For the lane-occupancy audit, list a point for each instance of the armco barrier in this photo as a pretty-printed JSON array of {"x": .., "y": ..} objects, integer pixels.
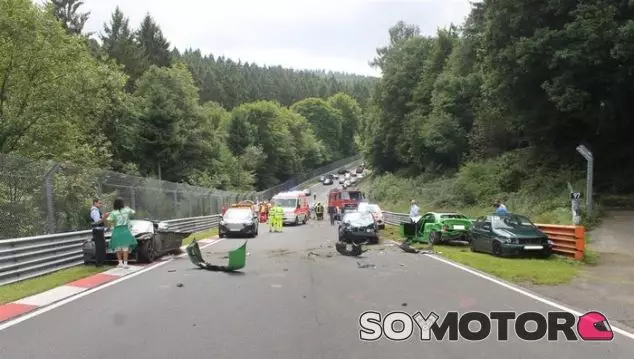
[
  {"x": 567, "y": 241},
  {"x": 29, "y": 257}
]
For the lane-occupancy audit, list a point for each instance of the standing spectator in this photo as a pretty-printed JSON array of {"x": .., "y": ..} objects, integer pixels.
[
  {"x": 98, "y": 228},
  {"x": 122, "y": 240},
  {"x": 413, "y": 209},
  {"x": 500, "y": 208}
]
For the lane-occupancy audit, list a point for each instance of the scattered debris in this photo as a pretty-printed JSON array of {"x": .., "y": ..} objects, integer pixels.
[
  {"x": 402, "y": 265},
  {"x": 180, "y": 285},
  {"x": 285, "y": 269},
  {"x": 366, "y": 265},
  {"x": 236, "y": 258},
  {"x": 354, "y": 251},
  {"x": 403, "y": 304},
  {"x": 408, "y": 249},
  {"x": 172, "y": 270},
  {"x": 311, "y": 253},
  {"x": 279, "y": 252},
  {"x": 329, "y": 255},
  {"x": 304, "y": 296}
]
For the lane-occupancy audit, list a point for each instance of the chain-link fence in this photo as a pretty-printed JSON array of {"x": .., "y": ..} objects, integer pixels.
[{"x": 46, "y": 197}]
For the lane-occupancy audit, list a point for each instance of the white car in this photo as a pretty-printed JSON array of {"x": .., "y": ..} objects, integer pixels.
[
  {"x": 376, "y": 212},
  {"x": 342, "y": 180}
]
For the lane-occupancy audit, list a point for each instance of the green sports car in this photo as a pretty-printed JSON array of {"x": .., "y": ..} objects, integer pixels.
[{"x": 441, "y": 227}]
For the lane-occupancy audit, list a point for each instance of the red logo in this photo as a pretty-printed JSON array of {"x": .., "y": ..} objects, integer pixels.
[{"x": 594, "y": 326}]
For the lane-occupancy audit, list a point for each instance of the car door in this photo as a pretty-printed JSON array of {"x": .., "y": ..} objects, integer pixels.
[
  {"x": 426, "y": 223},
  {"x": 487, "y": 235},
  {"x": 477, "y": 233}
]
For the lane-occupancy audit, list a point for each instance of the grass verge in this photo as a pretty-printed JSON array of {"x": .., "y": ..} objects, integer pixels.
[
  {"x": 15, "y": 291},
  {"x": 200, "y": 235},
  {"x": 556, "y": 270}
]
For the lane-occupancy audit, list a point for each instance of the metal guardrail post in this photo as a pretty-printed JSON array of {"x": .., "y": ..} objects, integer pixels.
[
  {"x": 50, "y": 208},
  {"x": 587, "y": 154}
]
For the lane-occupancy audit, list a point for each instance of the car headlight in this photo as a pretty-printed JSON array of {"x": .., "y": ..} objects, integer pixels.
[
  {"x": 222, "y": 223},
  {"x": 512, "y": 240},
  {"x": 162, "y": 226}
]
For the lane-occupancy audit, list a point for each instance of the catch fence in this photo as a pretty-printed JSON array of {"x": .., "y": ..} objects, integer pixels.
[{"x": 38, "y": 197}]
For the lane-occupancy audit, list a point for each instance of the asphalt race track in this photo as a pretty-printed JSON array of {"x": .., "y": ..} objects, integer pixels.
[{"x": 297, "y": 299}]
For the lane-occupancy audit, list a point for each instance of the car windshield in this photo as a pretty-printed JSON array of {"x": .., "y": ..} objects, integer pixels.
[
  {"x": 286, "y": 202},
  {"x": 353, "y": 217},
  {"x": 453, "y": 215},
  {"x": 370, "y": 208},
  {"x": 511, "y": 222},
  {"x": 237, "y": 214},
  {"x": 353, "y": 195},
  {"x": 374, "y": 208}
]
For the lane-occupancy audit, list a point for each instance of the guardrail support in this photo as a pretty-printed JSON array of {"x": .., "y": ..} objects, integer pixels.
[
  {"x": 587, "y": 154},
  {"x": 50, "y": 208}
]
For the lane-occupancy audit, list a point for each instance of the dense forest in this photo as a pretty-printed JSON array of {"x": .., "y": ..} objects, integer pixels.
[
  {"x": 504, "y": 99},
  {"x": 127, "y": 100}
]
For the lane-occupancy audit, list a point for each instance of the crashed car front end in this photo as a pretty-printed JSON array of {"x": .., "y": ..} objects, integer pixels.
[
  {"x": 234, "y": 228},
  {"x": 359, "y": 232}
]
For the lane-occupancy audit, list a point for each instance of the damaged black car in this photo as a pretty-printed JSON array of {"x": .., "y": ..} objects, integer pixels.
[{"x": 358, "y": 227}]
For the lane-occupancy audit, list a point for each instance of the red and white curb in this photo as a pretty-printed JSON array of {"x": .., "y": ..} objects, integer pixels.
[{"x": 40, "y": 300}]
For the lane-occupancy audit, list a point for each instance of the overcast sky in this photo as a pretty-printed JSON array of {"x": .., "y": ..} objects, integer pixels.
[{"x": 333, "y": 35}]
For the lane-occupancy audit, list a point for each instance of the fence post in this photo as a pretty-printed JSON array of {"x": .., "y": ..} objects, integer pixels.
[
  {"x": 50, "y": 208},
  {"x": 587, "y": 154},
  {"x": 133, "y": 196}
]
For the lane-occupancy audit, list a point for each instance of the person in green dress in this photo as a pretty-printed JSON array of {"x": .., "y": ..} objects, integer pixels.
[{"x": 122, "y": 241}]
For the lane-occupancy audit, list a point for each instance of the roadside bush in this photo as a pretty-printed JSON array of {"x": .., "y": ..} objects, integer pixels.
[{"x": 525, "y": 187}]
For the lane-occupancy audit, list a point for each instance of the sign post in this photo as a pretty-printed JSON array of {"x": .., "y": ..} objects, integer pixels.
[{"x": 585, "y": 152}]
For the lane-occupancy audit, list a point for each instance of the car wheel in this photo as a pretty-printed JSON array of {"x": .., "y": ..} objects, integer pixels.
[
  {"x": 305, "y": 220},
  {"x": 496, "y": 249},
  {"x": 382, "y": 226},
  {"x": 435, "y": 237},
  {"x": 221, "y": 235},
  {"x": 297, "y": 220},
  {"x": 472, "y": 246},
  {"x": 545, "y": 254},
  {"x": 146, "y": 251}
]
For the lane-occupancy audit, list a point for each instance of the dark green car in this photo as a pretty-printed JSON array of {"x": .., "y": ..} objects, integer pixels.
[{"x": 509, "y": 235}]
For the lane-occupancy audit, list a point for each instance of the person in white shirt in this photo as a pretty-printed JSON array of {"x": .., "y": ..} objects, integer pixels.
[{"x": 413, "y": 209}]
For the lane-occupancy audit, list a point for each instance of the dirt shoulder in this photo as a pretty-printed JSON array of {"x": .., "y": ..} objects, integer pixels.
[{"x": 607, "y": 286}]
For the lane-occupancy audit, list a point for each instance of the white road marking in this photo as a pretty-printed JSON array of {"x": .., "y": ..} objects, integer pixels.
[
  {"x": 51, "y": 295},
  {"x": 523, "y": 292},
  {"x": 62, "y": 302}
]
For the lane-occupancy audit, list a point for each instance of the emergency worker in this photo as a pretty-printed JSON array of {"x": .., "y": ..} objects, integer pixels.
[
  {"x": 272, "y": 217},
  {"x": 263, "y": 211},
  {"x": 279, "y": 217},
  {"x": 319, "y": 211}
]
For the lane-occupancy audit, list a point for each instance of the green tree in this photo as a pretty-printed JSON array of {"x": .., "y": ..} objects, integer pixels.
[
  {"x": 67, "y": 13},
  {"x": 326, "y": 121},
  {"x": 155, "y": 48},
  {"x": 118, "y": 43}
]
